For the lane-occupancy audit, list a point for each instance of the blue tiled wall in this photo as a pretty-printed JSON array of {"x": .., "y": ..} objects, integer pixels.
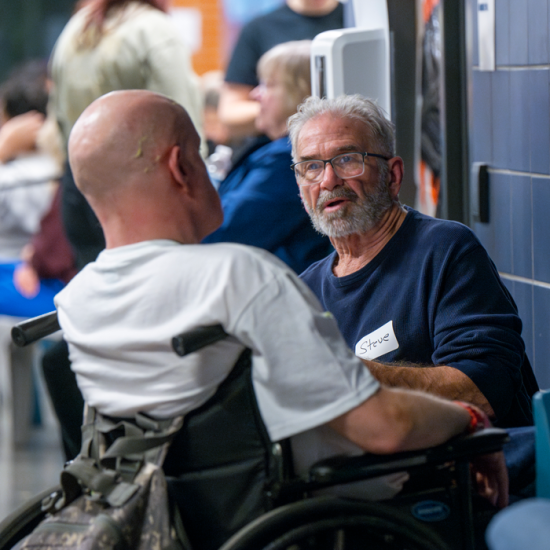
[{"x": 510, "y": 131}]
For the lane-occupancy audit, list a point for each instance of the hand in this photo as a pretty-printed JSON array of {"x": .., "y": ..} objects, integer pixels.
[
  {"x": 491, "y": 478},
  {"x": 18, "y": 134},
  {"x": 26, "y": 280},
  {"x": 27, "y": 252}
]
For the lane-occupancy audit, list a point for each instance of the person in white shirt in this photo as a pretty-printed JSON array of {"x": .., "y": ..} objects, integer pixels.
[{"x": 28, "y": 169}]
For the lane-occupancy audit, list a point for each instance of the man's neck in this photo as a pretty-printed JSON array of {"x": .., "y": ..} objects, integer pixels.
[
  {"x": 316, "y": 8},
  {"x": 357, "y": 250}
]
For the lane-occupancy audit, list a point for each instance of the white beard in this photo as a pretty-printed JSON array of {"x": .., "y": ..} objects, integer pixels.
[{"x": 358, "y": 216}]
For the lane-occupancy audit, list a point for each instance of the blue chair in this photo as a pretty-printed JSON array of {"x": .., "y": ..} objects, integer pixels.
[
  {"x": 541, "y": 411},
  {"x": 526, "y": 524}
]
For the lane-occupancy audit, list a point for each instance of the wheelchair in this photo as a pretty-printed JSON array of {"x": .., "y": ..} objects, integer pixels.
[{"x": 235, "y": 489}]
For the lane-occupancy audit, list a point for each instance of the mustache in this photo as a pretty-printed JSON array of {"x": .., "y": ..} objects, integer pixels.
[{"x": 338, "y": 193}]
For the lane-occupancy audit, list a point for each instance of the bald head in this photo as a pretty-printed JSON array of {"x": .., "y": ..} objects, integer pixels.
[
  {"x": 121, "y": 139},
  {"x": 135, "y": 156}
]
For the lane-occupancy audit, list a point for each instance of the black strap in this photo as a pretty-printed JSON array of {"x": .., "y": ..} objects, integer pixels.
[{"x": 109, "y": 469}]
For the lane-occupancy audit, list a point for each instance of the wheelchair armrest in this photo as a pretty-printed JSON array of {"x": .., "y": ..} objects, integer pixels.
[
  {"x": 346, "y": 469},
  {"x": 29, "y": 331},
  {"x": 196, "y": 339}
]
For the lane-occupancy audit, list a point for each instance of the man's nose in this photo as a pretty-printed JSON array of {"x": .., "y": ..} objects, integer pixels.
[{"x": 330, "y": 179}]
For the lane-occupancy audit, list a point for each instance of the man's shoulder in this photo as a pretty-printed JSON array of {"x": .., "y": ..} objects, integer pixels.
[
  {"x": 210, "y": 256},
  {"x": 279, "y": 145},
  {"x": 437, "y": 231},
  {"x": 274, "y": 152},
  {"x": 235, "y": 252},
  {"x": 232, "y": 262},
  {"x": 317, "y": 271},
  {"x": 242, "y": 270},
  {"x": 266, "y": 20},
  {"x": 138, "y": 20}
]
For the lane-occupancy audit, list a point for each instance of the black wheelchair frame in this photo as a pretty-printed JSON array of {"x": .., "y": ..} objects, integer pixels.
[{"x": 284, "y": 511}]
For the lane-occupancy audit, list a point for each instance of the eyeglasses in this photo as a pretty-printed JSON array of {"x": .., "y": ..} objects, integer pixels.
[{"x": 346, "y": 165}]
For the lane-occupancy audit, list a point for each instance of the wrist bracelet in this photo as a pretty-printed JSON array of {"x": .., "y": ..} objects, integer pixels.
[{"x": 478, "y": 419}]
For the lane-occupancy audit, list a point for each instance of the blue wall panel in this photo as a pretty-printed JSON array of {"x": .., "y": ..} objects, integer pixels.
[
  {"x": 496, "y": 236},
  {"x": 518, "y": 32},
  {"x": 518, "y": 235},
  {"x": 500, "y": 113},
  {"x": 520, "y": 157},
  {"x": 502, "y": 32},
  {"x": 521, "y": 212},
  {"x": 538, "y": 105},
  {"x": 482, "y": 145},
  {"x": 538, "y": 31}
]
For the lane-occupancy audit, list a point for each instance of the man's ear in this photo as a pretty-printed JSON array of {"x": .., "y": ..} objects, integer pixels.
[
  {"x": 176, "y": 167},
  {"x": 395, "y": 175}
]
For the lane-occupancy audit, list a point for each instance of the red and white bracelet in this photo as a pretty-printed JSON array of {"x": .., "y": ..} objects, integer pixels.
[{"x": 478, "y": 419}]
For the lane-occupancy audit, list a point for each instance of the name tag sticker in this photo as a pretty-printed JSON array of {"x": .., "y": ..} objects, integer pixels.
[{"x": 377, "y": 343}]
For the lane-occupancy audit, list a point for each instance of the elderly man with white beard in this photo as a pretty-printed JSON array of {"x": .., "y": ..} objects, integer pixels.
[{"x": 417, "y": 298}]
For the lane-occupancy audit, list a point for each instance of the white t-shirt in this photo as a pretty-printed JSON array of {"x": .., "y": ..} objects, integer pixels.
[{"x": 120, "y": 313}]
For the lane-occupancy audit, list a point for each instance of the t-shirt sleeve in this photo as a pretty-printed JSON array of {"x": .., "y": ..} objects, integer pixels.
[
  {"x": 304, "y": 373},
  {"x": 242, "y": 65},
  {"x": 477, "y": 329}
]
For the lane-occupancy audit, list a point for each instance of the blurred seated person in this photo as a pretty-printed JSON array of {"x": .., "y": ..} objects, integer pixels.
[
  {"x": 27, "y": 170},
  {"x": 260, "y": 201},
  {"x": 28, "y": 286},
  {"x": 294, "y": 20}
]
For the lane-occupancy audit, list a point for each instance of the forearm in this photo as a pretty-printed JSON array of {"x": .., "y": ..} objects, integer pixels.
[
  {"x": 237, "y": 111},
  {"x": 6, "y": 151},
  {"x": 397, "y": 420},
  {"x": 18, "y": 135},
  {"x": 433, "y": 420},
  {"x": 443, "y": 381}
]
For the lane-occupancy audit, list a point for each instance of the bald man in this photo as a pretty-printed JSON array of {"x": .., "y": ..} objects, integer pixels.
[{"x": 135, "y": 156}]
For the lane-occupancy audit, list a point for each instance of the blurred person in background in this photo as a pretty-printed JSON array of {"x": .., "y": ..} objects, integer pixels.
[
  {"x": 112, "y": 45},
  {"x": 261, "y": 204},
  {"x": 294, "y": 20},
  {"x": 25, "y": 170},
  {"x": 37, "y": 260},
  {"x": 30, "y": 165}
]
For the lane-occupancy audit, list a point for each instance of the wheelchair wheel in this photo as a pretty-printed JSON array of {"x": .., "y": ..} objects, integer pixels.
[
  {"x": 327, "y": 523},
  {"x": 20, "y": 523}
]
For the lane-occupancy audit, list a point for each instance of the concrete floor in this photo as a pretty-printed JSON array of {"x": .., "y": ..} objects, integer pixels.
[{"x": 32, "y": 465}]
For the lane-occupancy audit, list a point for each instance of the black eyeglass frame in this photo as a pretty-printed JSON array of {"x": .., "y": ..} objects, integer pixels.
[{"x": 329, "y": 161}]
